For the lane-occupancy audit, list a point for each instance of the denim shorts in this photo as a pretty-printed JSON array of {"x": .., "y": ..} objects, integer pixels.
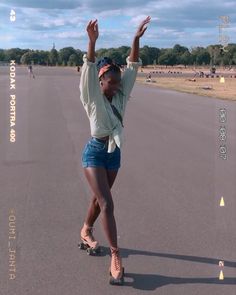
[{"x": 95, "y": 155}]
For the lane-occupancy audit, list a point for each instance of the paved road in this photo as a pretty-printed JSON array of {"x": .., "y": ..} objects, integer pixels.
[{"x": 172, "y": 231}]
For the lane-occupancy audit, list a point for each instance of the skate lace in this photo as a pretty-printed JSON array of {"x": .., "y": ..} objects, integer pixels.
[
  {"x": 90, "y": 234},
  {"x": 115, "y": 254}
]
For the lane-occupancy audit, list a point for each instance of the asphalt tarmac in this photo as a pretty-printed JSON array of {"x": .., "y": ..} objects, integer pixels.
[{"x": 172, "y": 231}]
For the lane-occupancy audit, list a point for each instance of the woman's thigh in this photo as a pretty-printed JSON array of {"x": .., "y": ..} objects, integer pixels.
[
  {"x": 111, "y": 175},
  {"x": 98, "y": 180}
]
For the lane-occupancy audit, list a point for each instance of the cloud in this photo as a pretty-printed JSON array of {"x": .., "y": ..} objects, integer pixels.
[
  {"x": 64, "y": 22},
  {"x": 136, "y": 20},
  {"x": 6, "y": 38},
  {"x": 50, "y": 4},
  {"x": 70, "y": 35}
]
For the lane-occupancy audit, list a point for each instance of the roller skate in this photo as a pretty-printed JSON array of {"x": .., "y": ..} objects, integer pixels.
[
  {"x": 88, "y": 241},
  {"x": 116, "y": 269}
]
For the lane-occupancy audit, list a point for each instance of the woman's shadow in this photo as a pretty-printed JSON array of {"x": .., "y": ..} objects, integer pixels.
[{"x": 154, "y": 281}]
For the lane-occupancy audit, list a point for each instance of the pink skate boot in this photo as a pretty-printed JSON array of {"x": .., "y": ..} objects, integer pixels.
[
  {"x": 88, "y": 241},
  {"x": 116, "y": 269}
]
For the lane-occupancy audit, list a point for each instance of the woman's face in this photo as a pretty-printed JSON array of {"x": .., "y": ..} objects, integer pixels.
[{"x": 110, "y": 83}]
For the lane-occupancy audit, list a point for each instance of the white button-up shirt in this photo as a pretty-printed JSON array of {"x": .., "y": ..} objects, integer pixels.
[{"x": 102, "y": 120}]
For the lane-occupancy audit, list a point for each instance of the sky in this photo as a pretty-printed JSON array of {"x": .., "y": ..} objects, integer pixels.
[{"x": 39, "y": 24}]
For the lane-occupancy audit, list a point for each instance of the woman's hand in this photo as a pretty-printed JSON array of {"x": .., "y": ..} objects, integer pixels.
[
  {"x": 92, "y": 29},
  {"x": 142, "y": 27},
  {"x": 134, "y": 54}
]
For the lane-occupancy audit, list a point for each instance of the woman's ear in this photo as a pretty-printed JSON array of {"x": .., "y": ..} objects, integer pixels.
[{"x": 101, "y": 83}]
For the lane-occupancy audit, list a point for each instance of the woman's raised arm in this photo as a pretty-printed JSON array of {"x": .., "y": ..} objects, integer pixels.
[
  {"x": 134, "y": 55},
  {"x": 92, "y": 30}
]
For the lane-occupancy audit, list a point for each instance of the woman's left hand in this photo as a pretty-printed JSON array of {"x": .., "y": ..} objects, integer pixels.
[{"x": 142, "y": 28}]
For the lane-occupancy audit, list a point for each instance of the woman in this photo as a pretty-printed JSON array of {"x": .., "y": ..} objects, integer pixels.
[{"x": 104, "y": 94}]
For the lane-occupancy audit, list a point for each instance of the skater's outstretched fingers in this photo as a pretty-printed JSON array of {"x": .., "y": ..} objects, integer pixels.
[
  {"x": 92, "y": 30},
  {"x": 134, "y": 54},
  {"x": 143, "y": 27}
]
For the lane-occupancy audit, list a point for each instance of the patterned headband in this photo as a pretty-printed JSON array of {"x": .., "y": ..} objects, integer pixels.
[
  {"x": 104, "y": 69},
  {"x": 105, "y": 64}
]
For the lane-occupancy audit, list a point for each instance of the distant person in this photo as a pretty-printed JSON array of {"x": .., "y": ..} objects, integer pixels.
[
  {"x": 213, "y": 70},
  {"x": 30, "y": 70},
  {"x": 104, "y": 94},
  {"x": 149, "y": 78},
  {"x": 201, "y": 74}
]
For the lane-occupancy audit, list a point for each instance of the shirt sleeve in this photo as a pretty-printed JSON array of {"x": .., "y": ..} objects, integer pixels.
[
  {"x": 89, "y": 82},
  {"x": 129, "y": 76}
]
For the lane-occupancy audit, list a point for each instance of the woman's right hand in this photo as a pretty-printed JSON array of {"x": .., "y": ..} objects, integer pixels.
[
  {"x": 142, "y": 28},
  {"x": 92, "y": 29}
]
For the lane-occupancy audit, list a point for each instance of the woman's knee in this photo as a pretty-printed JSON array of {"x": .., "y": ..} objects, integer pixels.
[
  {"x": 95, "y": 201},
  {"x": 107, "y": 206},
  {"x": 104, "y": 205}
]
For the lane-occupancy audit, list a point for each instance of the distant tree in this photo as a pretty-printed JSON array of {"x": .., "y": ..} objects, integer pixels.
[
  {"x": 53, "y": 57},
  {"x": 43, "y": 57},
  {"x": 211, "y": 50},
  {"x": 215, "y": 54},
  {"x": 145, "y": 55},
  {"x": 185, "y": 58},
  {"x": 124, "y": 49},
  {"x": 2, "y": 55},
  {"x": 26, "y": 58},
  {"x": 231, "y": 51},
  {"x": 144, "y": 58},
  {"x": 114, "y": 55},
  {"x": 234, "y": 59},
  {"x": 212, "y": 54},
  {"x": 181, "y": 53},
  {"x": 80, "y": 56},
  {"x": 101, "y": 52},
  {"x": 118, "y": 54},
  {"x": 73, "y": 60},
  {"x": 179, "y": 50},
  {"x": 167, "y": 57},
  {"x": 153, "y": 54},
  {"x": 65, "y": 53},
  {"x": 201, "y": 56},
  {"x": 124, "y": 52},
  {"x": 14, "y": 54}
]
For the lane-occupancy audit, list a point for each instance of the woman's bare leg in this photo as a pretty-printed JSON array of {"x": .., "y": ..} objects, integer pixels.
[
  {"x": 98, "y": 180},
  {"x": 94, "y": 209}
]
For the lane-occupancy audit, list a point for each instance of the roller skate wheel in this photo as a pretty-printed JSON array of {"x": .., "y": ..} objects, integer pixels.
[
  {"x": 88, "y": 251},
  {"x": 119, "y": 281},
  {"x": 82, "y": 246},
  {"x": 91, "y": 251}
]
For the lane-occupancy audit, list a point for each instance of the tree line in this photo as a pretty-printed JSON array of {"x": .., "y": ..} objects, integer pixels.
[{"x": 178, "y": 55}]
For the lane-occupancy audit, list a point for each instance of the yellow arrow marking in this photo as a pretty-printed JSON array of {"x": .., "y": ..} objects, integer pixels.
[
  {"x": 222, "y": 202},
  {"x": 222, "y": 79},
  {"x": 221, "y": 276}
]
